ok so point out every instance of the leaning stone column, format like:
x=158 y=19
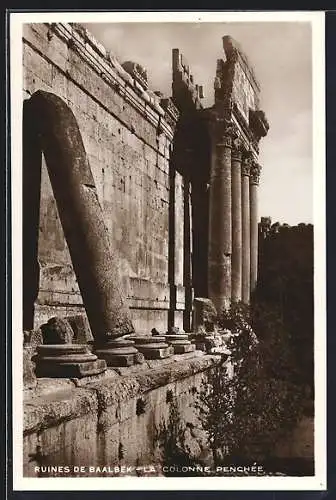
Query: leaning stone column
x=245 y=191
x=95 y=264
x=236 y=260
x=254 y=182
x=220 y=223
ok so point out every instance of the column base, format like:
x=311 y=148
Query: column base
x=119 y=352
x=184 y=348
x=154 y=351
x=67 y=361
x=180 y=343
x=152 y=347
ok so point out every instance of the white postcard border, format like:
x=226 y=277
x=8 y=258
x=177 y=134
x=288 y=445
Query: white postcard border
x=316 y=482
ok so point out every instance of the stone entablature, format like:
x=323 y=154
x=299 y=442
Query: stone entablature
x=234 y=53
x=187 y=94
x=138 y=72
x=237 y=94
x=106 y=66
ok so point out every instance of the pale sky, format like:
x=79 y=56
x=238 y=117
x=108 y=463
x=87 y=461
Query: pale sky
x=281 y=56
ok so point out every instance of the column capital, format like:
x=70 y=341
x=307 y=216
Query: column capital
x=222 y=130
x=247 y=164
x=255 y=173
x=237 y=149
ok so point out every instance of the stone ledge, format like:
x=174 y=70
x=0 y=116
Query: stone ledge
x=55 y=401
x=41 y=412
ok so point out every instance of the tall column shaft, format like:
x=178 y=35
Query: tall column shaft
x=254 y=182
x=220 y=225
x=236 y=259
x=245 y=187
x=187 y=265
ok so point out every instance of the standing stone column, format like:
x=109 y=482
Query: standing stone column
x=254 y=182
x=187 y=255
x=220 y=218
x=236 y=187
x=245 y=191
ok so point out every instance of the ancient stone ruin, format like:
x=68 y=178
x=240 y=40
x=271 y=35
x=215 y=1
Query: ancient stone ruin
x=139 y=228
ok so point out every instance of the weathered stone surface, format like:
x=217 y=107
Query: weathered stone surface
x=29 y=377
x=139 y=358
x=157 y=363
x=253 y=231
x=119 y=352
x=205 y=314
x=180 y=343
x=114 y=359
x=137 y=71
x=52 y=394
x=67 y=360
x=99 y=424
x=151 y=347
x=32 y=337
x=76 y=370
x=132 y=370
x=184 y=348
x=81 y=329
x=155 y=332
x=236 y=259
x=92 y=379
x=220 y=217
x=246 y=258
x=47 y=387
x=56 y=407
x=187 y=95
x=64 y=444
x=57 y=331
x=155 y=350
x=174 y=330
x=181 y=337
x=147 y=339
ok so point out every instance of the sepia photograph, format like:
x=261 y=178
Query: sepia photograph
x=168 y=250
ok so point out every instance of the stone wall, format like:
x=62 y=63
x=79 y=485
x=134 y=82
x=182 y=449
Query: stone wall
x=113 y=419
x=128 y=137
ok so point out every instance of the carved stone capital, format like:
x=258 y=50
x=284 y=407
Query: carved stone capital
x=224 y=132
x=237 y=150
x=246 y=164
x=255 y=173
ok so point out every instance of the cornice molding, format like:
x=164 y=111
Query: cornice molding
x=111 y=71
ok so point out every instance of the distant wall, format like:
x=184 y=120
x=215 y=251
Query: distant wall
x=128 y=137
